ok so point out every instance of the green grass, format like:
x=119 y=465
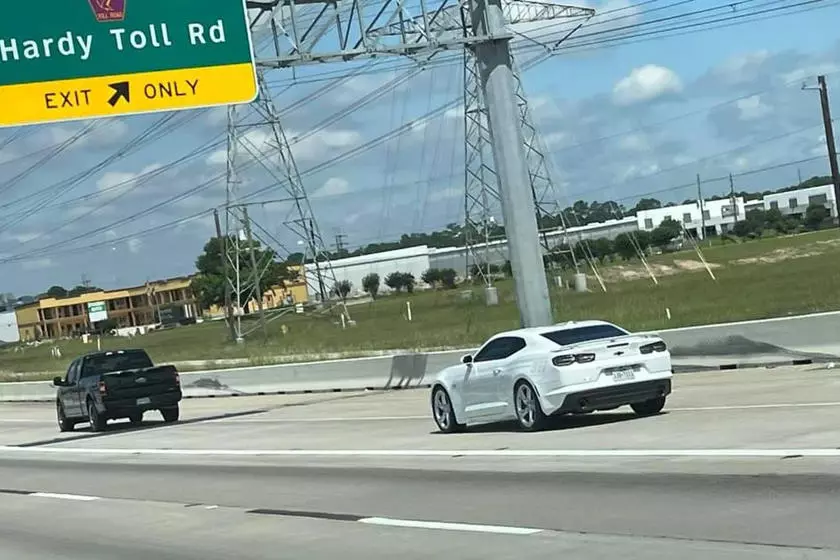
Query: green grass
x=783 y=285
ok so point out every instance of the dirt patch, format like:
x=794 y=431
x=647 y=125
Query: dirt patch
x=780 y=255
x=619 y=272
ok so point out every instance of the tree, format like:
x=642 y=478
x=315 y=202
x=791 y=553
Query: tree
x=370 y=284
x=431 y=277
x=623 y=245
x=56 y=292
x=448 y=277
x=408 y=281
x=815 y=215
x=643 y=240
x=395 y=281
x=79 y=290
x=209 y=284
x=646 y=204
x=342 y=289
x=665 y=233
x=602 y=248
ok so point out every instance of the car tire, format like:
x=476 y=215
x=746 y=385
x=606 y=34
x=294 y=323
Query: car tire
x=170 y=414
x=529 y=413
x=649 y=407
x=136 y=419
x=443 y=412
x=97 y=421
x=64 y=424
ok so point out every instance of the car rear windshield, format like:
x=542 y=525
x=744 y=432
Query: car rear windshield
x=565 y=337
x=122 y=361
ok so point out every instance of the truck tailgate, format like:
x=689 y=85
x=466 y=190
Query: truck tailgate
x=145 y=382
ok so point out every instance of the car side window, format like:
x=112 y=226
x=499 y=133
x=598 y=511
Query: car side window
x=73 y=372
x=500 y=348
x=86 y=368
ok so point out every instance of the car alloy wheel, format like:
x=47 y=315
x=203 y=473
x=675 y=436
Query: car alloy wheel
x=529 y=413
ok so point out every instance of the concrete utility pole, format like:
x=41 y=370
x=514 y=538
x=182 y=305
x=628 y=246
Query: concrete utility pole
x=518 y=207
x=829 y=142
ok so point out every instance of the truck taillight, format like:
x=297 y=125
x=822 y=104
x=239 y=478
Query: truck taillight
x=102 y=389
x=178 y=379
x=569 y=359
x=653 y=347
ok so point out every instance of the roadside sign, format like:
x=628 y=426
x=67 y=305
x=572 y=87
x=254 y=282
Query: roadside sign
x=97 y=311
x=77 y=59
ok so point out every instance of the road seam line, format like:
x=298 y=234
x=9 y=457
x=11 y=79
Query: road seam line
x=72 y=497
x=444 y=526
x=560 y=453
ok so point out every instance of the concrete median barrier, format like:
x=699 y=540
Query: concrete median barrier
x=801 y=339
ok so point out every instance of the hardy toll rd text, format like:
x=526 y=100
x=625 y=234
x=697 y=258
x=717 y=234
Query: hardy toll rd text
x=119 y=94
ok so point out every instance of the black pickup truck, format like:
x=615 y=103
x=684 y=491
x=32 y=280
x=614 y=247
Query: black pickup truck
x=101 y=386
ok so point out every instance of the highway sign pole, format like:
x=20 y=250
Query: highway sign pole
x=103 y=58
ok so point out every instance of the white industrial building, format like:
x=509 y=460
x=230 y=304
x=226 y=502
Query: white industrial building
x=496 y=252
x=8 y=327
x=412 y=259
x=794 y=203
x=718 y=216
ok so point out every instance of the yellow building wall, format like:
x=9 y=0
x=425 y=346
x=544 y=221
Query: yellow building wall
x=28 y=318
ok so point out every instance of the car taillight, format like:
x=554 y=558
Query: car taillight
x=569 y=359
x=102 y=389
x=653 y=347
x=178 y=379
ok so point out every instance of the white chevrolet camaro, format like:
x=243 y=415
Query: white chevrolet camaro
x=530 y=374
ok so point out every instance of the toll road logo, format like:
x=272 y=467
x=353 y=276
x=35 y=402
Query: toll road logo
x=108 y=10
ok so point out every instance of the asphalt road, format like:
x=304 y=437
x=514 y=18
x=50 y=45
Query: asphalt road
x=254 y=478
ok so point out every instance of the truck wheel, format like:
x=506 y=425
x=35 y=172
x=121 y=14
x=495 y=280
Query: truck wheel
x=170 y=414
x=97 y=421
x=64 y=424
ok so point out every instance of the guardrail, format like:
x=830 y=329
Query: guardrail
x=800 y=339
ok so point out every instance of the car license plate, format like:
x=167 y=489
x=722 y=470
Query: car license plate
x=623 y=375
x=144 y=400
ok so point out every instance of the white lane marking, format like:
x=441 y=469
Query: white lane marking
x=449 y=526
x=751 y=406
x=704 y=453
x=307 y=420
x=72 y=497
x=26 y=421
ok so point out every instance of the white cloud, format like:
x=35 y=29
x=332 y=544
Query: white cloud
x=38 y=264
x=334 y=186
x=752 y=108
x=122 y=180
x=645 y=84
x=23 y=237
x=635 y=143
x=809 y=72
x=134 y=245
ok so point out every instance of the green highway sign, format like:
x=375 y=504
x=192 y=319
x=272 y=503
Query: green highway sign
x=79 y=59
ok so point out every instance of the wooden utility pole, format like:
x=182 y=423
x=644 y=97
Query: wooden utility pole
x=256 y=273
x=829 y=142
x=228 y=306
x=702 y=209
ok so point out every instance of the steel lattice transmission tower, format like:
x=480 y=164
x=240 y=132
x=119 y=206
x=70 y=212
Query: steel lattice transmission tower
x=319 y=31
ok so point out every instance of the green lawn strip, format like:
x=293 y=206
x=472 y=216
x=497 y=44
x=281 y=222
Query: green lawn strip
x=444 y=319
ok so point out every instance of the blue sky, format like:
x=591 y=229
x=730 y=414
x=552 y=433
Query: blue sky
x=620 y=121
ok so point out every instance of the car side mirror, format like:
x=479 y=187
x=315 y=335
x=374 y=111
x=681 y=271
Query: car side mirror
x=466 y=359
x=58 y=382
